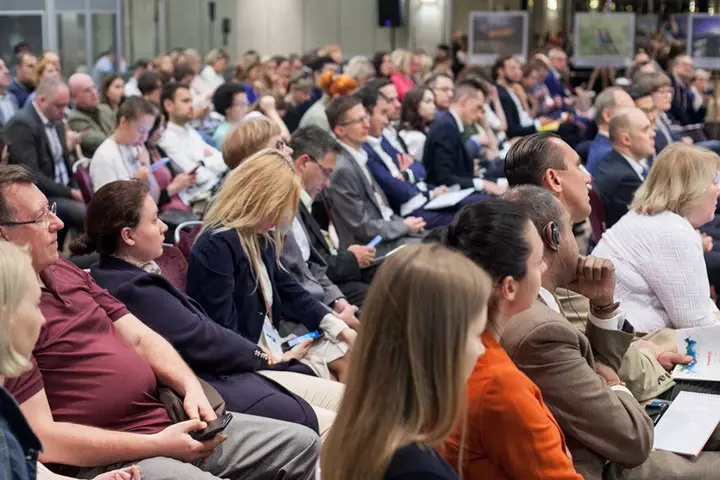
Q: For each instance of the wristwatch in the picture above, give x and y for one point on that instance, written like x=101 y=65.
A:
x=604 y=311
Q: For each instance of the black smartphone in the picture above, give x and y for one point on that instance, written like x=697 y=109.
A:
x=200 y=164
x=314 y=335
x=212 y=429
x=656 y=409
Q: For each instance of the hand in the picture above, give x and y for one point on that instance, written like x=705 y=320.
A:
x=207 y=153
x=405 y=161
x=687 y=140
x=175 y=442
x=493 y=93
x=416 y=224
x=669 y=359
x=558 y=101
x=73 y=139
x=607 y=373
x=181 y=183
x=595 y=279
x=347 y=315
x=437 y=191
x=348 y=336
x=127 y=473
x=196 y=404
x=492 y=188
x=76 y=195
x=707 y=242
x=481 y=138
x=267 y=104
x=143 y=174
x=143 y=157
x=363 y=254
x=298 y=352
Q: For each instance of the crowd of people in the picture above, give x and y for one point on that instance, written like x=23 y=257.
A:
x=311 y=267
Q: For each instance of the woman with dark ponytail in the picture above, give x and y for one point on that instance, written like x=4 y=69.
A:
x=509 y=432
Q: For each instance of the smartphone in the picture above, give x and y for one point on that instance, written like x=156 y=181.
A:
x=212 y=429
x=375 y=241
x=314 y=335
x=656 y=409
x=200 y=164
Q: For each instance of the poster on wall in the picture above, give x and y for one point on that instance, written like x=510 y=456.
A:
x=704 y=40
x=646 y=26
x=497 y=34
x=604 y=39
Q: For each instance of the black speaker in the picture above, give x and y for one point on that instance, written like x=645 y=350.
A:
x=225 y=25
x=211 y=11
x=391 y=13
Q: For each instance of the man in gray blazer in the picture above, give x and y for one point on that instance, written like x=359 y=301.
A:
x=360 y=211
x=607 y=430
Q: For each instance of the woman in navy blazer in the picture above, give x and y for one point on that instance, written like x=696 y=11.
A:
x=234 y=270
x=122 y=225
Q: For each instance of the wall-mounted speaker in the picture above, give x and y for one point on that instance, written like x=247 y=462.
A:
x=211 y=11
x=391 y=13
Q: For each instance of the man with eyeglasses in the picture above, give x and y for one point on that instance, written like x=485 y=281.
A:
x=443 y=86
x=38 y=141
x=387 y=90
x=94 y=119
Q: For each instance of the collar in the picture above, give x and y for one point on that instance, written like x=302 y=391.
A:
x=149 y=267
x=605 y=134
x=360 y=156
x=635 y=164
x=306 y=199
x=678 y=81
x=374 y=141
x=43 y=118
x=459 y=123
x=176 y=127
x=555 y=73
x=549 y=299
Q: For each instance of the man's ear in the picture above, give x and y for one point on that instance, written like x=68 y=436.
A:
x=551 y=181
x=508 y=288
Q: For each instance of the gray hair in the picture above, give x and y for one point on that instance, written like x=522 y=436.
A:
x=604 y=101
x=49 y=86
x=359 y=68
x=621 y=122
x=539 y=204
x=12 y=175
x=312 y=141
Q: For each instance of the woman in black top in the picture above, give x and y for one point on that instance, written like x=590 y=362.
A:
x=419 y=341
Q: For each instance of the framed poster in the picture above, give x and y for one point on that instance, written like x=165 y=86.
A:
x=604 y=39
x=704 y=40
x=497 y=34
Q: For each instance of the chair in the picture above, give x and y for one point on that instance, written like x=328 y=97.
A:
x=81 y=174
x=185 y=235
x=173 y=266
x=597 y=216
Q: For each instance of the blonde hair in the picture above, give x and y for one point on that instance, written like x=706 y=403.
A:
x=678 y=179
x=15 y=263
x=406 y=382
x=401 y=60
x=248 y=138
x=263 y=188
x=40 y=70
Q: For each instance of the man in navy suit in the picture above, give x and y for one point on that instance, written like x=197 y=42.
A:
x=445 y=158
x=554 y=81
x=624 y=168
x=8 y=103
x=682 y=110
x=22 y=84
x=605 y=105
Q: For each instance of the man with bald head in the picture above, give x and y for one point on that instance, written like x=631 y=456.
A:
x=95 y=120
x=625 y=167
x=605 y=105
x=39 y=143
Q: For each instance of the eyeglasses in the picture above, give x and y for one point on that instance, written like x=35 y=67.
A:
x=664 y=91
x=43 y=219
x=281 y=145
x=364 y=118
x=324 y=170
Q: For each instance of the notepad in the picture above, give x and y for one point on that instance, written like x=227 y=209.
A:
x=449 y=199
x=703 y=345
x=688 y=423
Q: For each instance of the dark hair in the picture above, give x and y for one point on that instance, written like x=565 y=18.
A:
x=279 y=59
x=312 y=141
x=337 y=109
x=467 y=86
x=19 y=58
x=182 y=71
x=168 y=93
x=378 y=83
x=636 y=92
x=529 y=158
x=107 y=81
x=369 y=98
x=141 y=63
x=499 y=63
x=10 y=175
x=148 y=82
x=432 y=80
x=156 y=124
x=115 y=206
x=318 y=63
x=410 y=118
x=224 y=96
x=377 y=61
x=491 y=234
x=133 y=108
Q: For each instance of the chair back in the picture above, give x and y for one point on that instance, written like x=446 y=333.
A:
x=173 y=266
x=597 y=216
x=185 y=235
x=81 y=174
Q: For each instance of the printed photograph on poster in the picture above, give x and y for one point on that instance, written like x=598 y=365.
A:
x=646 y=26
x=704 y=43
x=676 y=28
x=604 y=39
x=497 y=34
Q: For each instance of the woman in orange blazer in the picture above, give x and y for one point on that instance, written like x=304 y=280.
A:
x=509 y=433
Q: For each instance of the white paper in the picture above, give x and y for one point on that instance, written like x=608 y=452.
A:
x=703 y=344
x=449 y=199
x=688 y=423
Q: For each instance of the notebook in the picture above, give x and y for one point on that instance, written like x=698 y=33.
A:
x=449 y=199
x=688 y=423
x=703 y=345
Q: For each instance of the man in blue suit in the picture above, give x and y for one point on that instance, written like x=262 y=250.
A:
x=445 y=158
x=605 y=105
x=624 y=168
x=682 y=110
x=554 y=81
x=22 y=85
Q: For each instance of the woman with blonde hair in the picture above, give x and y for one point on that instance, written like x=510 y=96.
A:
x=422 y=321
x=249 y=138
x=234 y=270
x=333 y=86
x=20 y=324
x=44 y=68
x=406 y=65
x=662 y=279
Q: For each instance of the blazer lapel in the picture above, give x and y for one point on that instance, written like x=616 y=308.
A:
x=363 y=179
x=43 y=134
x=311 y=226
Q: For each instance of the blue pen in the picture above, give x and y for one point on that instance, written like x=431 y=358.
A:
x=160 y=163
x=375 y=241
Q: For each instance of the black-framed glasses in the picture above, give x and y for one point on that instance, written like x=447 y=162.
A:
x=43 y=219
x=324 y=170
x=281 y=145
x=364 y=118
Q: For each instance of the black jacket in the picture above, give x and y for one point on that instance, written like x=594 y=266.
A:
x=616 y=182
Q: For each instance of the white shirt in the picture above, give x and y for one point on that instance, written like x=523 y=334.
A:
x=478 y=183
x=211 y=78
x=361 y=158
x=7 y=108
x=415 y=141
x=525 y=118
x=391 y=134
x=131 y=88
x=638 y=166
x=298 y=230
x=662 y=280
x=112 y=162
x=186 y=148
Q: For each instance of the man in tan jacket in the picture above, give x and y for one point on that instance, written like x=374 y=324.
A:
x=94 y=119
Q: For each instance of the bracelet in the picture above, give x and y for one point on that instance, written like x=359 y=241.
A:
x=606 y=310
x=616 y=384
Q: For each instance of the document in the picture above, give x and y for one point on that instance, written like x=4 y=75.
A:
x=703 y=345
x=688 y=423
x=449 y=199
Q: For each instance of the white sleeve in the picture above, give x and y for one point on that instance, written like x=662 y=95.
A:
x=105 y=168
x=332 y=326
x=415 y=142
x=214 y=162
x=176 y=150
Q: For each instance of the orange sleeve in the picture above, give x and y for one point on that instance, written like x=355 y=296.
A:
x=519 y=435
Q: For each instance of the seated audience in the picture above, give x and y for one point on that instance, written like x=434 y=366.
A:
x=22 y=85
x=605 y=105
x=387 y=90
x=392 y=419
x=445 y=157
x=506 y=73
x=251 y=136
x=300 y=98
x=683 y=110
x=418 y=111
x=383 y=65
x=131 y=87
x=95 y=119
x=360 y=209
x=22 y=321
x=443 y=87
x=122 y=156
x=112 y=91
x=625 y=167
x=9 y=105
x=700 y=91
x=555 y=82
x=360 y=69
x=234 y=271
x=230 y=101
x=332 y=86
x=95 y=374
x=151 y=86
x=484 y=146
x=216 y=64
x=509 y=432
x=662 y=280
x=38 y=141
x=405 y=66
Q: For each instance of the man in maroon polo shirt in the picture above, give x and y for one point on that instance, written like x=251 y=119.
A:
x=91 y=396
